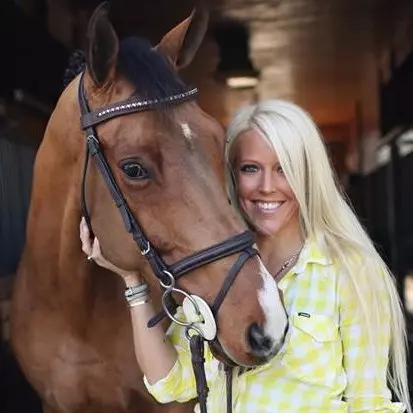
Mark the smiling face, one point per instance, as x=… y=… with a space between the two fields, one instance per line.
x=263 y=190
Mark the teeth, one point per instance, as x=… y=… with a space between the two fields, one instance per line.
x=268 y=206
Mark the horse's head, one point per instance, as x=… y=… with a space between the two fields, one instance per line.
x=168 y=165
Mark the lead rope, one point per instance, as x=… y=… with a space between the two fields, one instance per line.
x=228 y=375
x=196 y=343
x=198 y=364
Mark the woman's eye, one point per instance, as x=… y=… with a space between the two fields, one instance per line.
x=134 y=170
x=249 y=168
x=280 y=170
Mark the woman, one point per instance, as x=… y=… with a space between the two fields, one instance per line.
x=346 y=336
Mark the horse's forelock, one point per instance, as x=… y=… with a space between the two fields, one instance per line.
x=148 y=70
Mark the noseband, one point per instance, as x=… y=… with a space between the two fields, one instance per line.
x=166 y=274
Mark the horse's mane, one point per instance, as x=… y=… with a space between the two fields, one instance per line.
x=147 y=69
x=75 y=65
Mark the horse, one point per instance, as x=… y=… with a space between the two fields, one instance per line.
x=70 y=325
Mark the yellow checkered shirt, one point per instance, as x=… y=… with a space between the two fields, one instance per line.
x=322 y=367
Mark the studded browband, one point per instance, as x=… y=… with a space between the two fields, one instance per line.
x=131 y=105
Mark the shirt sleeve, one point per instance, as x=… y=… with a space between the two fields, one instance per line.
x=365 y=365
x=179 y=385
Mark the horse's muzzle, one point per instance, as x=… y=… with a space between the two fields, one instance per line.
x=262 y=346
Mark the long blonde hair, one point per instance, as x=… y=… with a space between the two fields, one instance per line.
x=327 y=218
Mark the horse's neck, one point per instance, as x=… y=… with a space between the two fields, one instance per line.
x=53 y=259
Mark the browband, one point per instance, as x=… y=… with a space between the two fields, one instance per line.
x=131 y=105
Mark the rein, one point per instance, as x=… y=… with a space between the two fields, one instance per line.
x=166 y=274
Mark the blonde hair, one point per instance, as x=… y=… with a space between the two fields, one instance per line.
x=328 y=219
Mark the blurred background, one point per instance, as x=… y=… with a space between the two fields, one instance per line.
x=348 y=62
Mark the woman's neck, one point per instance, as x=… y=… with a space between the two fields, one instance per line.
x=276 y=249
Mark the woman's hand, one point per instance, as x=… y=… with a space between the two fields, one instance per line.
x=93 y=252
x=153 y=351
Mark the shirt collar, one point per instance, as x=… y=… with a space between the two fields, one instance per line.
x=311 y=253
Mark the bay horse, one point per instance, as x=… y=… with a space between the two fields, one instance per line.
x=70 y=327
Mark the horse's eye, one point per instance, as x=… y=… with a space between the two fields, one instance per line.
x=134 y=170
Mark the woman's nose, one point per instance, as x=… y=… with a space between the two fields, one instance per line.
x=267 y=183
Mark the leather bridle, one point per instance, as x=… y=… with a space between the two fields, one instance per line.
x=166 y=274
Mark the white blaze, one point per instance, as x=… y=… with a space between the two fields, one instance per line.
x=187 y=132
x=270 y=300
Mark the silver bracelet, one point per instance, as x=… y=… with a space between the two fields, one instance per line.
x=137 y=291
x=139 y=302
x=138 y=297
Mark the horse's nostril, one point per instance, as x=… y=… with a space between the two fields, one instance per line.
x=261 y=344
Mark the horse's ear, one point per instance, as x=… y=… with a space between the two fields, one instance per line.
x=102 y=46
x=181 y=43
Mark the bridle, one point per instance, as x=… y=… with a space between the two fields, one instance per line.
x=166 y=274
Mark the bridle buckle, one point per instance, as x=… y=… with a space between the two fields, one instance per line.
x=146 y=250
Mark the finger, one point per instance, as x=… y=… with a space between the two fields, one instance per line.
x=87 y=248
x=85 y=239
x=96 y=251
x=84 y=230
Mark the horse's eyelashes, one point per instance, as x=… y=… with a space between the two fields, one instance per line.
x=134 y=170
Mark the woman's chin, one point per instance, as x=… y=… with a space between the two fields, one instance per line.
x=265 y=228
